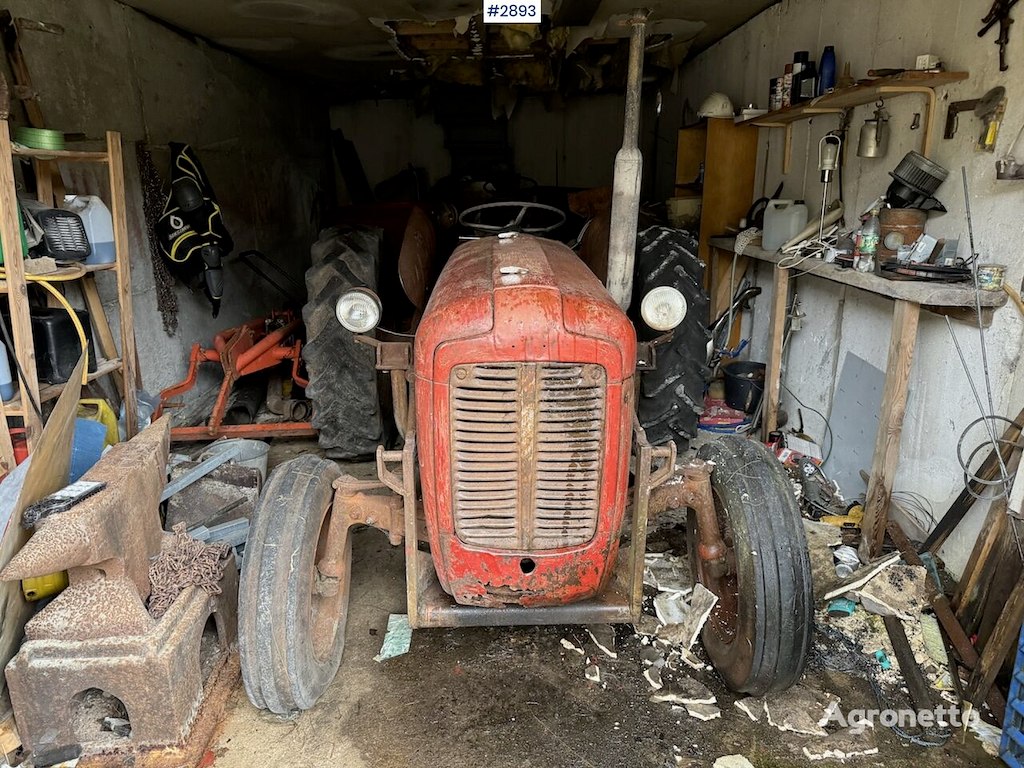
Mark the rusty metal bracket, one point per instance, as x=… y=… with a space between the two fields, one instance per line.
x=359 y=505
x=647 y=351
x=391 y=355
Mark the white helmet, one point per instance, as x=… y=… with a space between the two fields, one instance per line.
x=716 y=105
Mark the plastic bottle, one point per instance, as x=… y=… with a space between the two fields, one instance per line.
x=808 y=81
x=6 y=383
x=827 y=70
x=870 y=232
x=800 y=59
x=99 y=226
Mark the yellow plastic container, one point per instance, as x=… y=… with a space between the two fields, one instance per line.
x=97 y=409
x=38 y=587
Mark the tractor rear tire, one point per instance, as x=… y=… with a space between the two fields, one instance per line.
x=342 y=374
x=672 y=395
x=759 y=634
x=290 y=635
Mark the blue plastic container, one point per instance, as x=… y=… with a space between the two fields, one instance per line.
x=827 y=70
x=86 y=447
x=1011 y=748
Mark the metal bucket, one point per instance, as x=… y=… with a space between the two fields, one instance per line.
x=744 y=385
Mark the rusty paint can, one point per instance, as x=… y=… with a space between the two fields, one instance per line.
x=900 y=226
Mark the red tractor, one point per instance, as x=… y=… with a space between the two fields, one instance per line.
x=522 y=490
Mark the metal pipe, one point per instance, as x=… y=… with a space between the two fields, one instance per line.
x=628 y=174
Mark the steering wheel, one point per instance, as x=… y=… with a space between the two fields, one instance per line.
x=478 y=218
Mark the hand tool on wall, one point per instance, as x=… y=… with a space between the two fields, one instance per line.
x=989 y=109
x=999 y=13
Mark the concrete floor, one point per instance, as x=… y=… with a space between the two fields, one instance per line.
x=511 y=697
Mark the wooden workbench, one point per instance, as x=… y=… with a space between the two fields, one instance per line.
x=909 y=298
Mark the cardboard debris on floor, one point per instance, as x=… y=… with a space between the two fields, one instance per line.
x=667 y=573
x=855 y=741
x=703 y=711
x=899 y=590
x=683 y=690
x=603 y=636
x=801 y=710
x=397 y=639
x=688 y=618
x=733 y=761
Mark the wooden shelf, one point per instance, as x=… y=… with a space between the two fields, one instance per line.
x=60 y=156
x=927 y=294
x=858 y=95
x=14 y=406
x=921 y=83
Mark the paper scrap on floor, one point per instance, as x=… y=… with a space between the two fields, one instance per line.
x=397 y=639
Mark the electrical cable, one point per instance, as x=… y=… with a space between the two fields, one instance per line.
x=860 y=664
x=828 y=427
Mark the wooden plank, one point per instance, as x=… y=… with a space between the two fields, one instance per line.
x=978 y=568
x=729 y=166
x=44 y=183
x=890 y=424
x=10 y=741
x=17 y=291
x=104 y=336
x=920 y=292
x=962 y=645
x=988 y=470
x=7 y=462
x=691 y=149
x=61 y=156
x=917 y=686
x=857 y=95
x=776 y=338
x=1001 y=642
x=124 y=283
x=47 y=472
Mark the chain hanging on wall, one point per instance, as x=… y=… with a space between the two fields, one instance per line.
x=152 y=206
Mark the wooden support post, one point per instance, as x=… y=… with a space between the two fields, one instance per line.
x=7 y=462
x=115 y=164
x=104 y=336
x=998 y=646
x=890 y=424
x=776 y=339
x=21 y=324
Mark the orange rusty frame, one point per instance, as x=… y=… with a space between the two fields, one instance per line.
x=241 y=351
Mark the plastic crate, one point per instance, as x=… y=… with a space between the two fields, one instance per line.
x=1011 y=747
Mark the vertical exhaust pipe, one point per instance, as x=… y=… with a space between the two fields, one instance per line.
x=628 y=172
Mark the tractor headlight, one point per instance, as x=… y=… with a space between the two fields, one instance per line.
x=358 y=310
x=663 y=308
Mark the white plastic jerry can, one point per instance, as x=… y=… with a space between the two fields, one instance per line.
x=99 y=226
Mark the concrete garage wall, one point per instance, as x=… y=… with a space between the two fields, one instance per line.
x=572 y=146
x=261 y=138
x=890 y=33
x=389 y=136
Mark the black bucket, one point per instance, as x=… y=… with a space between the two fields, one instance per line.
x=744 y=385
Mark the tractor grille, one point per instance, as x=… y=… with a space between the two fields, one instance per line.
x=528 y=444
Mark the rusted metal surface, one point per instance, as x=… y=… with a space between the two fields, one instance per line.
x=97 y=537
x=510 y=301
x=97 y=633
x=229 y=492
x=256 y=346
x=619 y=601
x=416 y=257
x=528 y=457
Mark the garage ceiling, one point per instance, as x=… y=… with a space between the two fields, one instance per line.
x=361 y=40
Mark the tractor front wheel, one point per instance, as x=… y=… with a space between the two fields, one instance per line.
x=759 y=633
x=291 y=618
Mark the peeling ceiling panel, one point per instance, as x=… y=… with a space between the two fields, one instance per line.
x=355 y=40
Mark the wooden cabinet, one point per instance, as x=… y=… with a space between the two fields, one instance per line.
x=729 y=154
